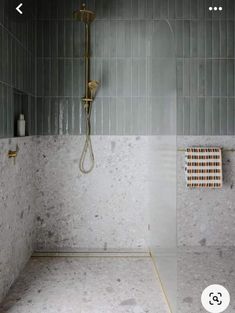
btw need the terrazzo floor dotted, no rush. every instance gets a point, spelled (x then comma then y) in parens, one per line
(86, 285)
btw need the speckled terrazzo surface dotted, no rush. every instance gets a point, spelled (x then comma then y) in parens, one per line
(199, 267)
(105, 210)
(86, 285)
(206, 217)
(17, 209)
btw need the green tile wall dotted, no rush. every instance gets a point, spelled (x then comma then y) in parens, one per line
(126, 104)
(17, 68)
(122, 59)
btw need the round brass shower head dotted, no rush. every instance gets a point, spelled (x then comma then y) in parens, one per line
(84, 15)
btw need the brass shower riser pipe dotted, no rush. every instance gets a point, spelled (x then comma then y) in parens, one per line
(87, 62)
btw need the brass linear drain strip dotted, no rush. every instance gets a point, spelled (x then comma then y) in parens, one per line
(93, 254)
(158, 278)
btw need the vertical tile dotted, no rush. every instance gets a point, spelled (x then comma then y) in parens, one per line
(186, 9)
(78, 77)
(76, 116)
(54, 38)
(193, 9)
(54, 116)
(186, 78)
(187, 116)
(230, 77)
(230, 114)
(128, 118)
(202, 78)
(223, 78)
(47, 116)
(40, 39)
(1, 53)
(68, 78)
(68, 33)
(230, 9)
(107, 77)
(47, 77)
(78, 39)
(139, 79)
(180, 116)
(39, 116)
(193, 116)
(216, 116)
(139, 38)
(68, 9)
(161, 9)
(123, 48)
(123, 77)
(63, 116)
(61, 38)
(223, 116)
(61, 77)
(140, 116)
(201, 38)
(179, 41)
(1, 112)
(201, 9)
(54, 77)
(201, 116)
(186, 39)
(40, 78)
(123, 9)
(179, 8)
(47, 39)
(100, 43)
(208, 116)
(121, 116)
(98, 116)
(172, 9)
(208, 39)
(179, 75)
(215, 39)
(215, 78)
(113, 116)
(71, 112)
(223, 39)
(209, 78)
(4, 56)
(106, 116)
(230, 39)
(194, 78)
(102, 9)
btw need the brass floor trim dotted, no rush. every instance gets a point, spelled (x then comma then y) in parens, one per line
(158, 278)
(93, 254)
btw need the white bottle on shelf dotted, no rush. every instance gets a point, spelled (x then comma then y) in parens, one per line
(21, 126)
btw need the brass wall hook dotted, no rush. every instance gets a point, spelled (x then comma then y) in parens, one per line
(13, 153)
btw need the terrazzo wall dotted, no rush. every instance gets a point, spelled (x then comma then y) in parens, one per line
(206, 217)
(105, 210)
(16, 210)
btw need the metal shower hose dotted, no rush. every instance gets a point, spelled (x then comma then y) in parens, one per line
(87, 149)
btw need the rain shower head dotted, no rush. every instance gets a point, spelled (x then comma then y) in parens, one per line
(84, 15)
